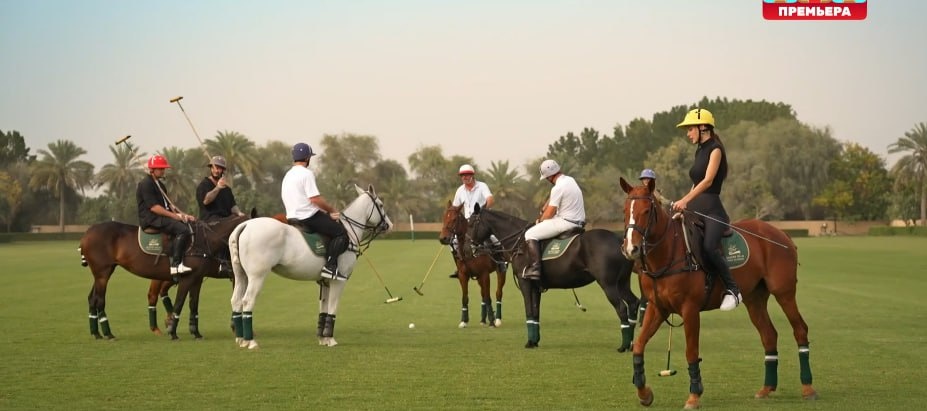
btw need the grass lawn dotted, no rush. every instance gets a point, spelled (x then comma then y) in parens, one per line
(863, 299)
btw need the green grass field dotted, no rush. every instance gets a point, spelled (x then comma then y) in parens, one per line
(863, 298)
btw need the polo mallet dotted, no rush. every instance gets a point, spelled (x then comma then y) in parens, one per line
(202, 144)
(123, 140)
(391, 299)
(418, 289)
(578, 304)
(668, 372)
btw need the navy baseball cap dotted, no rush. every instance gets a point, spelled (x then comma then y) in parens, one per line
(302, 151)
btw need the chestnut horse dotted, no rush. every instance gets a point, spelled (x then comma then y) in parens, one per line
(673, 285)
(594, 256)
(469, 265)
(107, 245)
(159, 290)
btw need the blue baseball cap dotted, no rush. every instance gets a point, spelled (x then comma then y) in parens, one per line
(302, 151)
(648, 173)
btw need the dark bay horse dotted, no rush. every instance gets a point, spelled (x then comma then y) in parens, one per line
(470, 265)
(594, 256)
(158, 290)
(107, 245)
(672, 285)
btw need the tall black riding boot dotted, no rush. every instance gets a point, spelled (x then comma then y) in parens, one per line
(455, 274)
(732, 295)
(533, 270)
(336, 247)
(181, 242)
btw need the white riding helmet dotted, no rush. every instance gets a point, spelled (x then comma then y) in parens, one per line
(648, 173)
(548, 168)
(466, 169)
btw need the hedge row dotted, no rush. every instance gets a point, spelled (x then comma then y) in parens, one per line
(918, 231)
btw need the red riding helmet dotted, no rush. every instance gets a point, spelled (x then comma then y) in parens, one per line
(157, 161)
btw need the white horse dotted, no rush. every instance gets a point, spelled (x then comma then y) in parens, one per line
(262, 245)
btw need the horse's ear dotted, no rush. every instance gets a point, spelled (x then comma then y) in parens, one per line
(476, 208)
(624, 185)
(254, 212)
(651, 185)
(371, 190)
(358, 189)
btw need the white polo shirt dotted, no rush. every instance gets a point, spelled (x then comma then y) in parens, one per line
(568, 198)
(469, 197)
(297, 187)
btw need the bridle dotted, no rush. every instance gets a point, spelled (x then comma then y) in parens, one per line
(518, 235)
(370, 231)
(646, 245)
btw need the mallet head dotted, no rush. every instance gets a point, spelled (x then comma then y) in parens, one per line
(417, 291)
(394, 299)
(176, 99)
(122, 140)
(667, 373)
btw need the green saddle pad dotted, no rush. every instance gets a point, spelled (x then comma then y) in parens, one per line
(314, 240)
(735, 249)
(150, 243)
(556, 247)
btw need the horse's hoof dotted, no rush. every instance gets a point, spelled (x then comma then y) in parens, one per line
(694, 402)
(238, 341)
(645, 396)
(174, 337)
(623, 348)
(244, 343)
(808, 392)
(498, 322)
(96, 336)
(462, 325)
(253, 345)
(531, 344)
(157, 331)
(764, 392)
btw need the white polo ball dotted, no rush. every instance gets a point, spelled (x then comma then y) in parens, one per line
(411, 325)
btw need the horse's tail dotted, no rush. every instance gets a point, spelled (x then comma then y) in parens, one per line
(233, 247)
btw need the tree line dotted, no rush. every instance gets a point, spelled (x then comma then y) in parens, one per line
(779, 168)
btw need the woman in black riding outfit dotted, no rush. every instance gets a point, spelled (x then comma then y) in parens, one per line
(708, 173)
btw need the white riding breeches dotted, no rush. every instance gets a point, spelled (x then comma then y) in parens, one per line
(549, 228)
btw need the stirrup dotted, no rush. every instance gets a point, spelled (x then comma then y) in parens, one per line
(530, 274)
(454, 275)
(180, 269)
(730, 301)
(329, 273)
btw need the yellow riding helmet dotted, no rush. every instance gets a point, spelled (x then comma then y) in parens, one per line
(696, 117)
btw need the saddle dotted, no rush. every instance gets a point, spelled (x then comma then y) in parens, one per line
(553, 248)
(317, 242)
(733, 245)
(152, 241)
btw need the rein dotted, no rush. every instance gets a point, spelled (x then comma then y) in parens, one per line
(370, 231)
(647, 246)
(518, 235)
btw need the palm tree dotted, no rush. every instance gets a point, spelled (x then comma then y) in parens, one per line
(121, 176)
(912, 168)
(59, 170)
(504, 183)
(187, 168)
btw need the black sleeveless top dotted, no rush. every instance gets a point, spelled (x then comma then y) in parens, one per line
(700, 166)
(709, 201)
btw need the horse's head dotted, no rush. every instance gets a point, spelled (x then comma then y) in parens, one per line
(216, 232)
(478, 231)
(454, 223)
(642, 213)
(368, 213)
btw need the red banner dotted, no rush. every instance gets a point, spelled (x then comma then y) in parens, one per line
(814, 11)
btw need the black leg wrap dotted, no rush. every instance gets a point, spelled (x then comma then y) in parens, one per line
(329, 329)
(639, 379)
(321, 324)
(695, 378)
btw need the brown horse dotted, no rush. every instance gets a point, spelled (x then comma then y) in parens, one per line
(106, 245)
(469, 265)
(674, 284)
(159, 290)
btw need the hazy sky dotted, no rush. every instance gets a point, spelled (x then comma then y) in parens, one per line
(495, 80)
